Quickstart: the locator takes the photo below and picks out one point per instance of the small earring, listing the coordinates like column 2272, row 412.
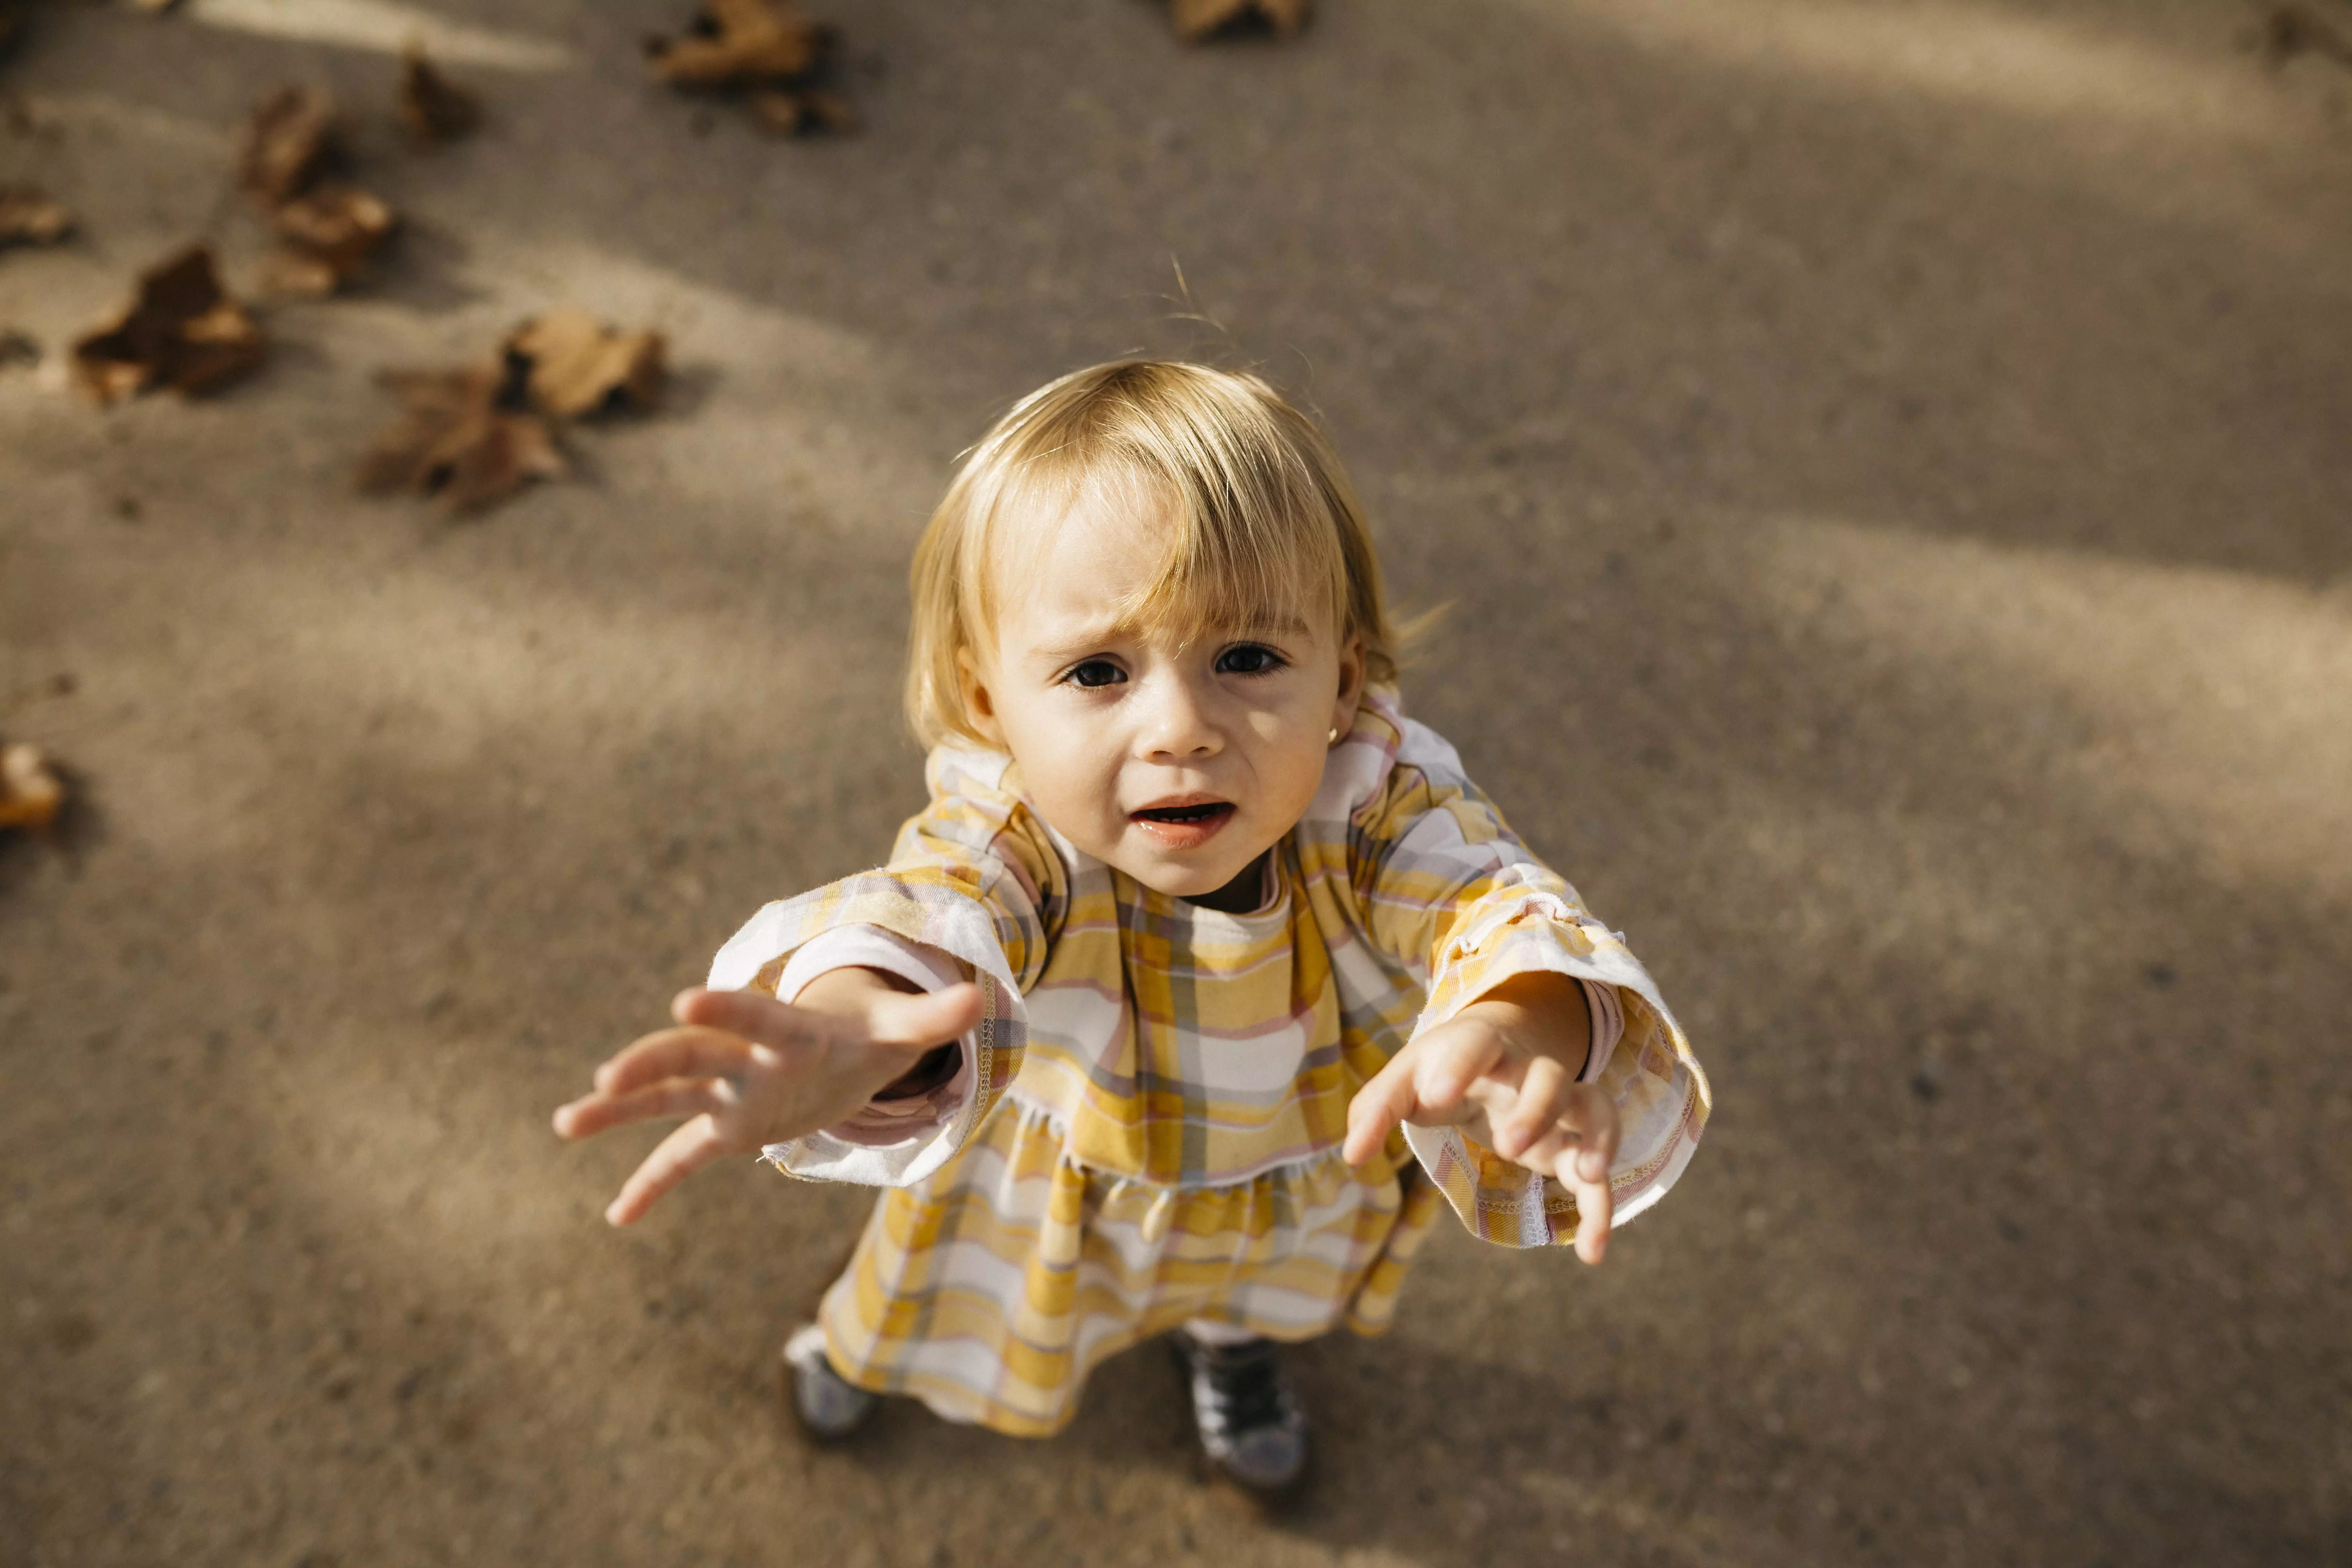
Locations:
column 1333, row 738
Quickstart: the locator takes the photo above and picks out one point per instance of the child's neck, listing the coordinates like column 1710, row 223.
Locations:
column 1240, row 895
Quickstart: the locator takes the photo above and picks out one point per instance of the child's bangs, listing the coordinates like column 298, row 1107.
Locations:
column 1250, row 540
column 1228, row 571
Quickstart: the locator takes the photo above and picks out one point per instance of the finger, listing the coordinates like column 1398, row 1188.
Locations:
column 672, row 1053
column 1383, row 1103
column 591, row 1114
column 1542, row 1096
column 922, row 1022
column 1593, row 1115
column 1596, row 1208
column 1582, row 1145
column 686, row 1151
column 1588, row 1129
column 751, row 1015
column 1457, row 1060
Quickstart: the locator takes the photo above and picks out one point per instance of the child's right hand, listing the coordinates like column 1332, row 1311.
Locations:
column 752, row 1071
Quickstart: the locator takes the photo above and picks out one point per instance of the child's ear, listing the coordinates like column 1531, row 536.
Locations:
column 977, row 707
column 1351, row 685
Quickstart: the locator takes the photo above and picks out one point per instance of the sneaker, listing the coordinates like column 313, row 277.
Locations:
column 830, row 1407
column 1249, row 1419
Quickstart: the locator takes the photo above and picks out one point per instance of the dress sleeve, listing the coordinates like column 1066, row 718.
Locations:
column 976, row 880
column 887, row 1137
column 1446, row 889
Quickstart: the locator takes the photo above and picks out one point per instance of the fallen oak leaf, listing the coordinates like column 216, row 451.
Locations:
column 467, row 436
column 329, row 234
column 329, row 228
column 1198, row 19
column 475, row 434
column 27, row 216
column 736, row 42
column 765, row 46
column 577, row 365
column 433, row 107
column 289, row 140
column 182, row 330
column 30, row 792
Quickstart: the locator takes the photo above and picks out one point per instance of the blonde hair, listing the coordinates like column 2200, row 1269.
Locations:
column 1264, row 524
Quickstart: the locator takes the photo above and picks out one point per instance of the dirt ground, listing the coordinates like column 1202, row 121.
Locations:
column 1892, row 468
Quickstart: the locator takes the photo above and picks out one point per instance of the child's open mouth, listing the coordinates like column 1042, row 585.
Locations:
column 1184, row 822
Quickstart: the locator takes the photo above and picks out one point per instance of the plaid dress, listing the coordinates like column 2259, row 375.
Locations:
column 1158, row 1091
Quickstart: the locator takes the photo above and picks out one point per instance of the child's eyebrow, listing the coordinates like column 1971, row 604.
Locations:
column 1089, row 638
column 1271, row 625
column 1096, row 636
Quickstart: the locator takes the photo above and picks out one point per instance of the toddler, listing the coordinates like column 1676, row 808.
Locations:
column 1203, row 979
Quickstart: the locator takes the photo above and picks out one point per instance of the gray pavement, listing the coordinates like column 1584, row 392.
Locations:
column 1891, row 465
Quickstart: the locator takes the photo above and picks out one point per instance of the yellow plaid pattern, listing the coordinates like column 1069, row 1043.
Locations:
column 1162, row 1088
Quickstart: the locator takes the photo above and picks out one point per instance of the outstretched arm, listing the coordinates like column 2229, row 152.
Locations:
column 1514, row 1057
column 747, row 1070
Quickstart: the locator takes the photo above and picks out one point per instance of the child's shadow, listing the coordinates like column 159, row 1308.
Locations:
column 1448, row 1459
column 1447, row 1462
column 1417, row 1452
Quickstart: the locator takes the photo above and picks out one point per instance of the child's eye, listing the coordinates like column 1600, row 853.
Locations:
column 1096, row 673
column 1249, row 658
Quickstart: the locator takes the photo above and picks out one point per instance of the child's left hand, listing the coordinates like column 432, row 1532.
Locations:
column 1514, row 1055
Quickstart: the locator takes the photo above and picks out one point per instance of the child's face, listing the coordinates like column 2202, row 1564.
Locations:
column 1180, row 765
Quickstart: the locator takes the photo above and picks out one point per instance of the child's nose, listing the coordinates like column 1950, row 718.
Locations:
column 1178, row 727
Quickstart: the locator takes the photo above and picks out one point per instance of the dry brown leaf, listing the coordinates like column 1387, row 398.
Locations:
column 467, row 436
column 289, row 140
column 577, row 366
column 183, row 332
column 741, row 42
column 27, row 216
column 433, row 107
column 329, row 229
column 1199, row 19
column 328, row 234
column 30, row 792
column 475, row 434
